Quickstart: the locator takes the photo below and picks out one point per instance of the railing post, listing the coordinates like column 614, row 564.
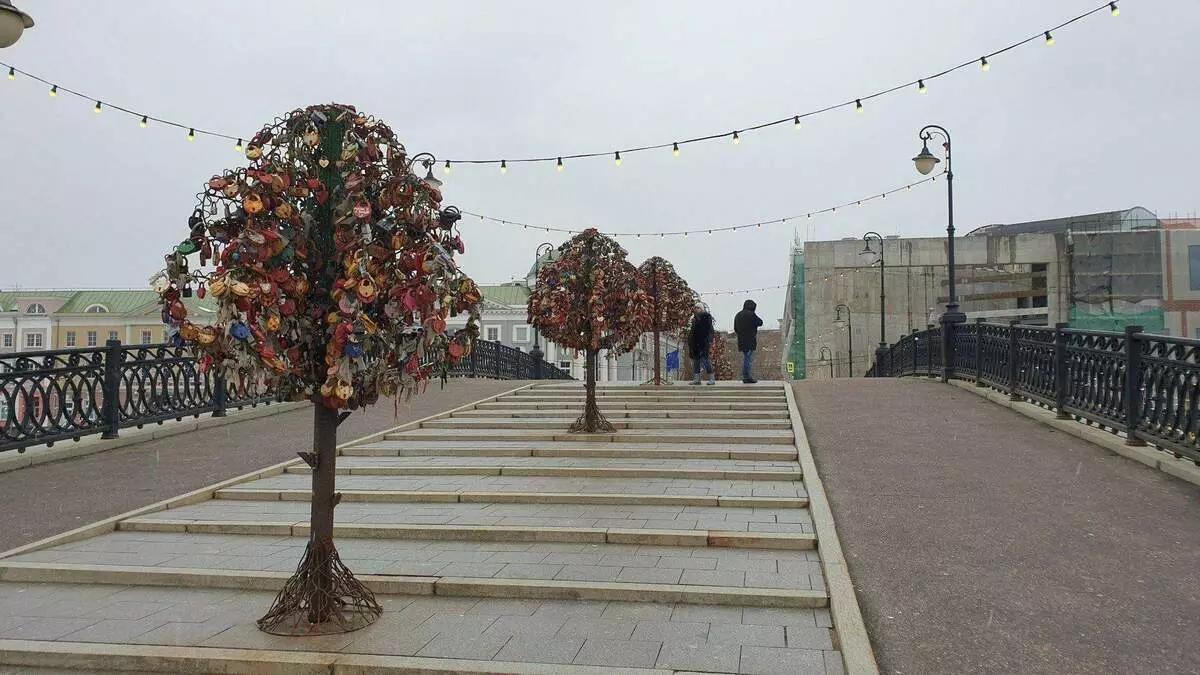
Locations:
column 916, row 342
column 1060, row 371
column 536, row 354
column 220, row 390
column 110, row 411
column 1012, row 361
column 929, row 352
column 1133, row 384
column 498, row 347
column 475, row 358
column 979, row 353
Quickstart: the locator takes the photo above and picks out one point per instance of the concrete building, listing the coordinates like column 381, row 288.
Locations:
column 1097, row 271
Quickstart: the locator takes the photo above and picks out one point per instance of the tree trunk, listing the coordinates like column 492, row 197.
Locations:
column 325, row 422
column 591, row 421
column 657, row 327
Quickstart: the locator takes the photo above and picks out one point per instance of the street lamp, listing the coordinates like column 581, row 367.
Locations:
column 925, row 161
column 543, row 249
column 13, row 23
column 841, row 322
column 882, row 296
column 827, row 357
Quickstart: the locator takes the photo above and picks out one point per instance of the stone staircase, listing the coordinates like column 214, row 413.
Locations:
column 496, row 541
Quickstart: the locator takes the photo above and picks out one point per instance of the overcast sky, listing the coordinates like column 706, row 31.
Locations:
column 1105, row 119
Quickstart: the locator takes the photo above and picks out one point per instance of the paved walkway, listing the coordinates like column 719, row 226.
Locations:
column 982, row 542
column 43, row 500
column 496, row 541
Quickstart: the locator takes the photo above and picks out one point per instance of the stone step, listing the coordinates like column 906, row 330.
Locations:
column 513, row 404
column 570, row 414
column 573, row 398
column 619, row 423
column 683, row 389
column 423, row 561
column 519, row 498
column 650, row 463
column 524, row 449
column 737, row 436
column 454, row 629
column 563, row 472
column 476, row 516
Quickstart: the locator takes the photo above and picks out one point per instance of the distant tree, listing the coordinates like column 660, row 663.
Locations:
column 589, row 297
column 671, row 303
column 334, row 276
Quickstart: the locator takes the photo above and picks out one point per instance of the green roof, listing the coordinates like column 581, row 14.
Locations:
column 116, row 302
column 514, row 295
column 8, row 299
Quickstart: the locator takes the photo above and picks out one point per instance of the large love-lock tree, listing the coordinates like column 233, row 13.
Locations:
column 589, row 297
column 332, row 264
column 722, row 366
column 671, row 303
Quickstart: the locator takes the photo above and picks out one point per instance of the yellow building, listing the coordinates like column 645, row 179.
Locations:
column 63, row 319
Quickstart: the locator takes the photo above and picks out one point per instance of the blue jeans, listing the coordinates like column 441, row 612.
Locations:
column 747, row 364
column 702, row 361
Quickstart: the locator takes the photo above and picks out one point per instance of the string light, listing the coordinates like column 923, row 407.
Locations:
column 447, row 167
column 191, row 134
column 984, row 65
column 1049, row 39
column 675, row 150
column 239, row 147
column 790, row 118
column 921, row 88
column 503, row 166
column 617, row 159
column 736, row 138
column 144, row 122
column 98, row 107
column 796, row 122
column 709, row 230
column 560, row 164
column 12, row 73
column 54, row 91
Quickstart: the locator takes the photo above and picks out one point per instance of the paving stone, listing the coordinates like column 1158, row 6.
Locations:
column 482, row 647
column 115, row 630
column 476, row 570
column 746, row 634
column 776, row 661
column 588, row 573
column 618, row 653
column 528, row 626
column 706, row 613
column 701, row 657
column 529, row 571
column 649, row 575
column 670, row 631
column 183, row 634
column 458, row 624
column 637, row 611
column 833, row 663
column 772, row 616
column 717, row 577
column 42, row 628
column 540, row 649
column 603, row 629
column 127, row 610
column 808, row 637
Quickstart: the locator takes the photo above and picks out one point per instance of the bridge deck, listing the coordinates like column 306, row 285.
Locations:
column 982, row 542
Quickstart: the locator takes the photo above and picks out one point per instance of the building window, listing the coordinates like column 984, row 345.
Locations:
column 70, row 338
column 33, row 340
column 96, row 309
column 8, row 340
column 520, row 333
column 91, row 338
column 491, row 333
column 145, row 337
column 565, row 365
column 36, row 308
column 112, row 335
column 1194, row 267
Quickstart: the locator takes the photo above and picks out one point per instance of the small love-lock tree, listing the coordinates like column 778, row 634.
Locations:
column 671, row 303
column 589, row 297
column 722, row 366
column 334, row 276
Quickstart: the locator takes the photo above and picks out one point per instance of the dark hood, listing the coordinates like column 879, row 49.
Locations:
column 749, row 305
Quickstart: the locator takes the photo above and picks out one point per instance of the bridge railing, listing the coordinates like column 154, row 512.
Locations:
column 1142, row 385
column 51, row 396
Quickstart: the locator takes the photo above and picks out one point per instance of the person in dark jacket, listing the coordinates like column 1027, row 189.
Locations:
column 700, row 343
column 746, row 324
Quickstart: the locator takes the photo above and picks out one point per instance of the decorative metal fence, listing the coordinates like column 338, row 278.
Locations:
column 1142, row 385
column 52, row 396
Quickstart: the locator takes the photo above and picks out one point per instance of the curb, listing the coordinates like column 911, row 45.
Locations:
column 1159, row 460
column 93, row 444
column 858, row 657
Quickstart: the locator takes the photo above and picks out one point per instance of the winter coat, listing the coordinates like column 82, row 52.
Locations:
column 746, row 324
column 701, row 335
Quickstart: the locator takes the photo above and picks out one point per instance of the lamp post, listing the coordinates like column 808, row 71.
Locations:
column 13, row 23
column 845, row 323
column 882, row 348
column 827, row 357
column 543, row 249
column 925, row 161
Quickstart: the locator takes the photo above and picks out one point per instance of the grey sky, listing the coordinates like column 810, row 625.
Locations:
column 1104, row 119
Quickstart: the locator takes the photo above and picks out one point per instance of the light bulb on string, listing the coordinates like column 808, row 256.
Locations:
column 984, row 65
column 617, row 158
column 796, row 122
column 560, row 166
column 1049, row 39
column 858, row 106
column 98, row 108
column 54, row 91
column 1116, row 11
column 12, row 73
column 447, row 167
column 191, row 135
column 736, row 139
column 921, row 88
column 503, row 166
column 675, row 149
column 144, row 122
column 239, row 147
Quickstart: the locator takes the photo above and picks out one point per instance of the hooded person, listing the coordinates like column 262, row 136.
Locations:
column 700, row 343
column 746, row 324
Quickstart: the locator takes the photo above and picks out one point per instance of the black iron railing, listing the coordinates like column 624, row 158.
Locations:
column 51, row 396
column 1144, row 386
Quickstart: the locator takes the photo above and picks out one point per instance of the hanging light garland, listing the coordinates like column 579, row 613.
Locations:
column 735, row 135
column 710, row 230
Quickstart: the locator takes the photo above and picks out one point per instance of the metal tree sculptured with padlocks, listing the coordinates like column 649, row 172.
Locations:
column 334, row 278
column 589, row 297
column 671, row 303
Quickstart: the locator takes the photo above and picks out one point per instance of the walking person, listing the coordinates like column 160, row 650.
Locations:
column 746, row 324
column 700, row 344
